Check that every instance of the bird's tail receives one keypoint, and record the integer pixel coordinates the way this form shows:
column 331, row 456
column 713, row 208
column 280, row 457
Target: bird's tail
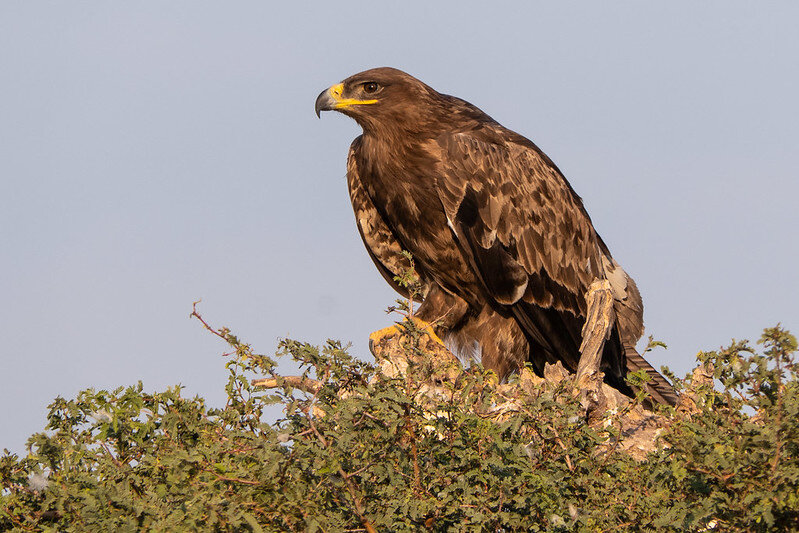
column 658, row 387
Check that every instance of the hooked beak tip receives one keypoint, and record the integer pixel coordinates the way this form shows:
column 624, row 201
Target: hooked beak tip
column 324, row 102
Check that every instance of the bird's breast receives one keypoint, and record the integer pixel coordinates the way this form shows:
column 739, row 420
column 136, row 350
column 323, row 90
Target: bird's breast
column 404, row 191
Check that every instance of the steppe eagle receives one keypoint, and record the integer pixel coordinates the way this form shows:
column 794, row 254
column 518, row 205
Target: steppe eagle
column 503, row 245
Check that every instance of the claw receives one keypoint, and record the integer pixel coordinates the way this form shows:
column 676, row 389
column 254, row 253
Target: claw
column 376, row 336
column 427, row 328
column 398, row 329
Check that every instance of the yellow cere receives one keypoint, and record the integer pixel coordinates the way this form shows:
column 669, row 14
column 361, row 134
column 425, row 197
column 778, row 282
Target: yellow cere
column 336, row 90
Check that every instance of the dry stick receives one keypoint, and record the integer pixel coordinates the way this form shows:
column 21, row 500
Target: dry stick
column 298, row 382
column 194, row 313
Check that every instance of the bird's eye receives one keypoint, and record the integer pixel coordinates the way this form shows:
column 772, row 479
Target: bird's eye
column 370, row 87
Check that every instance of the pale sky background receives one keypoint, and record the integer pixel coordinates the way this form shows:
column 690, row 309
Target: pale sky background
column 156, row 153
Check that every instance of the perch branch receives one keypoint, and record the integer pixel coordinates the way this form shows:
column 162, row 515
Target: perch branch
column 298, row 382
column 597, row 328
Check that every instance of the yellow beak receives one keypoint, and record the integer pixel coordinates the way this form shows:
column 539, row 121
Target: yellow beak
column 331, row 99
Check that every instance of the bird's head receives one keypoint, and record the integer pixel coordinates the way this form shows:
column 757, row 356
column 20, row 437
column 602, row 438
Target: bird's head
column 381, row 99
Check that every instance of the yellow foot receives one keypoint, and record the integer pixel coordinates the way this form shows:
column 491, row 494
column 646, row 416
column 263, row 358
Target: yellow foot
column 400, row 329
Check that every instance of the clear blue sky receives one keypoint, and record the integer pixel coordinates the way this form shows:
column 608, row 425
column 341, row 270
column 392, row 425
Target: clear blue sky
column 156, row 153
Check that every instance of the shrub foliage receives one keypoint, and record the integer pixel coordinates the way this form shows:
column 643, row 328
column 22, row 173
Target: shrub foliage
column 357, row 451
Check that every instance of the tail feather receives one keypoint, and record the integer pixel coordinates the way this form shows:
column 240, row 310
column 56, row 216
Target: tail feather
column 658, row 387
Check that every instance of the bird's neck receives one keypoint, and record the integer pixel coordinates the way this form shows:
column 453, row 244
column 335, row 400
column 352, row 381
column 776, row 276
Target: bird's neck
column 384, row 157
column 384, row 142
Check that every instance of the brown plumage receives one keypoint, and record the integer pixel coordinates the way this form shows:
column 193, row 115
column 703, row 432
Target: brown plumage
column 502, row 243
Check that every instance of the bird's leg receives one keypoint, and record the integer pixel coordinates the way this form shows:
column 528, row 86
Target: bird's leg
column 439, row 312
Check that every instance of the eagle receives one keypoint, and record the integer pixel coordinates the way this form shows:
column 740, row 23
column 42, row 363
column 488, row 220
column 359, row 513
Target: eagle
column 503, row 246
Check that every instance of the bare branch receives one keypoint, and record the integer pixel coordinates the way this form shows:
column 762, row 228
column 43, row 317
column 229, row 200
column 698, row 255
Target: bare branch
column 309, row 385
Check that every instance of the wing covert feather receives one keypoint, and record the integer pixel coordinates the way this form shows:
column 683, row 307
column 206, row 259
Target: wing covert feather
column 524, row 205
column 381, row 243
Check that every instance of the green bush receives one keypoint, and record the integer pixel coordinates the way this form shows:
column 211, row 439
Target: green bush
column 356, row 451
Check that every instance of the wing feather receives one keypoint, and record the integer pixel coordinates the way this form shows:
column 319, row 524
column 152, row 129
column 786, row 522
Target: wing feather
column 383, row 246
column 507, row 196
column 526, row 233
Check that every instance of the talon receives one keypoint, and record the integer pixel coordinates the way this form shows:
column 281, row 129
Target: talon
column 398, row 329
column 427, row 327
column 376, row 336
